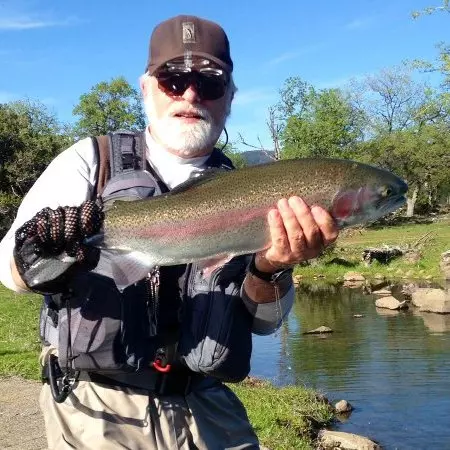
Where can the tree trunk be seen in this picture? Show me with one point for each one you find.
(411, 202)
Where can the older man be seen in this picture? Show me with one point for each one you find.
(144, 368)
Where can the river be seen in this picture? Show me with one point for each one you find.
(393, 367)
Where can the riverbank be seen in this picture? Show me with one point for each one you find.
(284, 418)
(423, 244)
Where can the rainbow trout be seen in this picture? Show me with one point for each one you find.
(220, 214)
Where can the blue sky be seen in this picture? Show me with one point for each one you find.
(56, 50)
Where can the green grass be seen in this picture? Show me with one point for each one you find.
(284, 418)
(349, 247)
(19, 334)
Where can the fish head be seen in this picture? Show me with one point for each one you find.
(379, 194)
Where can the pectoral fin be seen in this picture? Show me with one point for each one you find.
(125, 267)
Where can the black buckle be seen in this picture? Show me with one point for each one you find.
(61, 384)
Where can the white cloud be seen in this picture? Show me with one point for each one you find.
(284, 57)
(338, 82)
(20, 23)
(362, 23)
(256, 95)
(293, 54)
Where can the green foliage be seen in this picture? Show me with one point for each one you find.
(420, 156)
(237, 159)
(19, 334)
(347, 254)
(325, 125)
(109, 106)
(284, 418)
(30, 137)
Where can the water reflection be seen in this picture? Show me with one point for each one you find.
(393, 366)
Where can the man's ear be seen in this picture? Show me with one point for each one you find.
(143, 83)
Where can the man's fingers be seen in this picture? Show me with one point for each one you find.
(310, 229)
(294, 230)
(277, 231)
(326, 224)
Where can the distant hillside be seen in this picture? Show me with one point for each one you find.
(254, 157)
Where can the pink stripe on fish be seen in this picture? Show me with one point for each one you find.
(205, 225)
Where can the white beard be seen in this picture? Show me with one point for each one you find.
(185, 140)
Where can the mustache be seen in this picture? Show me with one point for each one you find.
(195, 110)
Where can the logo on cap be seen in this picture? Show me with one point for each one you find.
(188, 33)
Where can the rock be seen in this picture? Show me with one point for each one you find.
(390, 303)
(384, 255)
(383, 292)
(437, 323)
(297, 279)
(319, 330)
(445, 264)
(408, 288)
(431, 300)
(343, 406)
(379, 276)
(353, 284)
(349, 441)
(353, 276)
(412, 256)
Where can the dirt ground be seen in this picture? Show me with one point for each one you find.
(21, 422)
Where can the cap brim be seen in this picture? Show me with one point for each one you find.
(151, 70)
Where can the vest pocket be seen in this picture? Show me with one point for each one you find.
(108, 331)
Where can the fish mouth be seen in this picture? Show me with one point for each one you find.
(394, 202)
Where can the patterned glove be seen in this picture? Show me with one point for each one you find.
(52, 241)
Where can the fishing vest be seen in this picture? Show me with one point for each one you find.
(174, 314)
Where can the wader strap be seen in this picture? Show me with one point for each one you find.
(116, 153)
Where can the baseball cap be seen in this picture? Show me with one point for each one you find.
(187, 37)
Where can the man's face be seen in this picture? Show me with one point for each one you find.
(186, 125)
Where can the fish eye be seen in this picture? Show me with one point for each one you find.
(386, 191)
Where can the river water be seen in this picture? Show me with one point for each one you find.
(393, 367)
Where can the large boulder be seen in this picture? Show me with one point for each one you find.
(349, 441)
(385, 292)
(390, 302)
(353, 276)
(432, 300)
(437, 323)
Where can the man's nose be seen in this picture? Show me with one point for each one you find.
(191, 94)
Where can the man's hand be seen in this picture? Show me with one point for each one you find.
(53, 232)
(298, 233)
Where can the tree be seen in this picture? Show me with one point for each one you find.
(420, 157)
(30, 137)
(325, 125)
(236, 158)
(444, 7)
(109, 107)
(391, 100)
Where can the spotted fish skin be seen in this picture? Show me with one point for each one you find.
(224, 214)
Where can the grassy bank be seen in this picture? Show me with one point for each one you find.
(19, 334)
(283, 418)
(428, 240)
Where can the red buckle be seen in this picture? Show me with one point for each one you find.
(163, 369)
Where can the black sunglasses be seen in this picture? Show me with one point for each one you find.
(210, 84)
